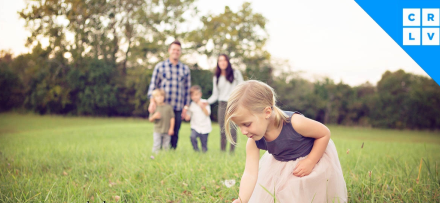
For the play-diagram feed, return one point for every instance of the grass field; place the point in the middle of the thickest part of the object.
(79, 159)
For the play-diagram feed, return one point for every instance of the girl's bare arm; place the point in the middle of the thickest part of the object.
(250, 175)
(314, 129)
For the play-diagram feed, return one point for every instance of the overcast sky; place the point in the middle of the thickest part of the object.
(320, 38)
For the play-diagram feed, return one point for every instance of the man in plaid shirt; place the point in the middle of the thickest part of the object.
(174, 78)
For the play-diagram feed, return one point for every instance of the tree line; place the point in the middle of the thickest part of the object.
(101, 53)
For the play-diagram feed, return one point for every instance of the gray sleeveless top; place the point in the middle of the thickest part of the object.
(289, 145)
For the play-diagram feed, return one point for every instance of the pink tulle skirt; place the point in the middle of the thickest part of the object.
(325, 184)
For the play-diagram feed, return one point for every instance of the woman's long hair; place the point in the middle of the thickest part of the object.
(229, 70)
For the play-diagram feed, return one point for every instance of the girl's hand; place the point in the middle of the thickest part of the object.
(156, 115)
(237, 201)
(202, 104)
(303, 167)
(171, 132)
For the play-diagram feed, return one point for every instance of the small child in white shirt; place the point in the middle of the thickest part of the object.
(198, 112)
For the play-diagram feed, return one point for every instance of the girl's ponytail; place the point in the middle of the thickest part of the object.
(280, 116)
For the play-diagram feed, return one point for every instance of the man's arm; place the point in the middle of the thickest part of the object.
(171, 130)
(155, 80)
(187, 115)
(187, 86)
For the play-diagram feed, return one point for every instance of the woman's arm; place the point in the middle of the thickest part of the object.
(239, 76)
(205, 107)
(314, 129)
(213, 98)
(187, 86)
(250, 175)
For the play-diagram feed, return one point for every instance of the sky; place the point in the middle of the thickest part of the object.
(319, 38)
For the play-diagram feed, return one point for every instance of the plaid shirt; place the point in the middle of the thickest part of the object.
(175, 80)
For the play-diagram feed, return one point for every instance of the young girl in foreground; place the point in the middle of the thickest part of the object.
(301, 163)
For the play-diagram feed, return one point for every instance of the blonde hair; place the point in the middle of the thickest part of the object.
(255, 96)
(195, 88)
(158, 92)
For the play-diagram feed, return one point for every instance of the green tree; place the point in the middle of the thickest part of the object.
(392, 99)
(423, 104)
(359, 110)
(157, 24)
(10, 84)
(241, 35)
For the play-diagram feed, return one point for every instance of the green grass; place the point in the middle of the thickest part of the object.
(80, 159)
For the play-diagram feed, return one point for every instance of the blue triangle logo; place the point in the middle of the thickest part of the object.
(414, 25)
